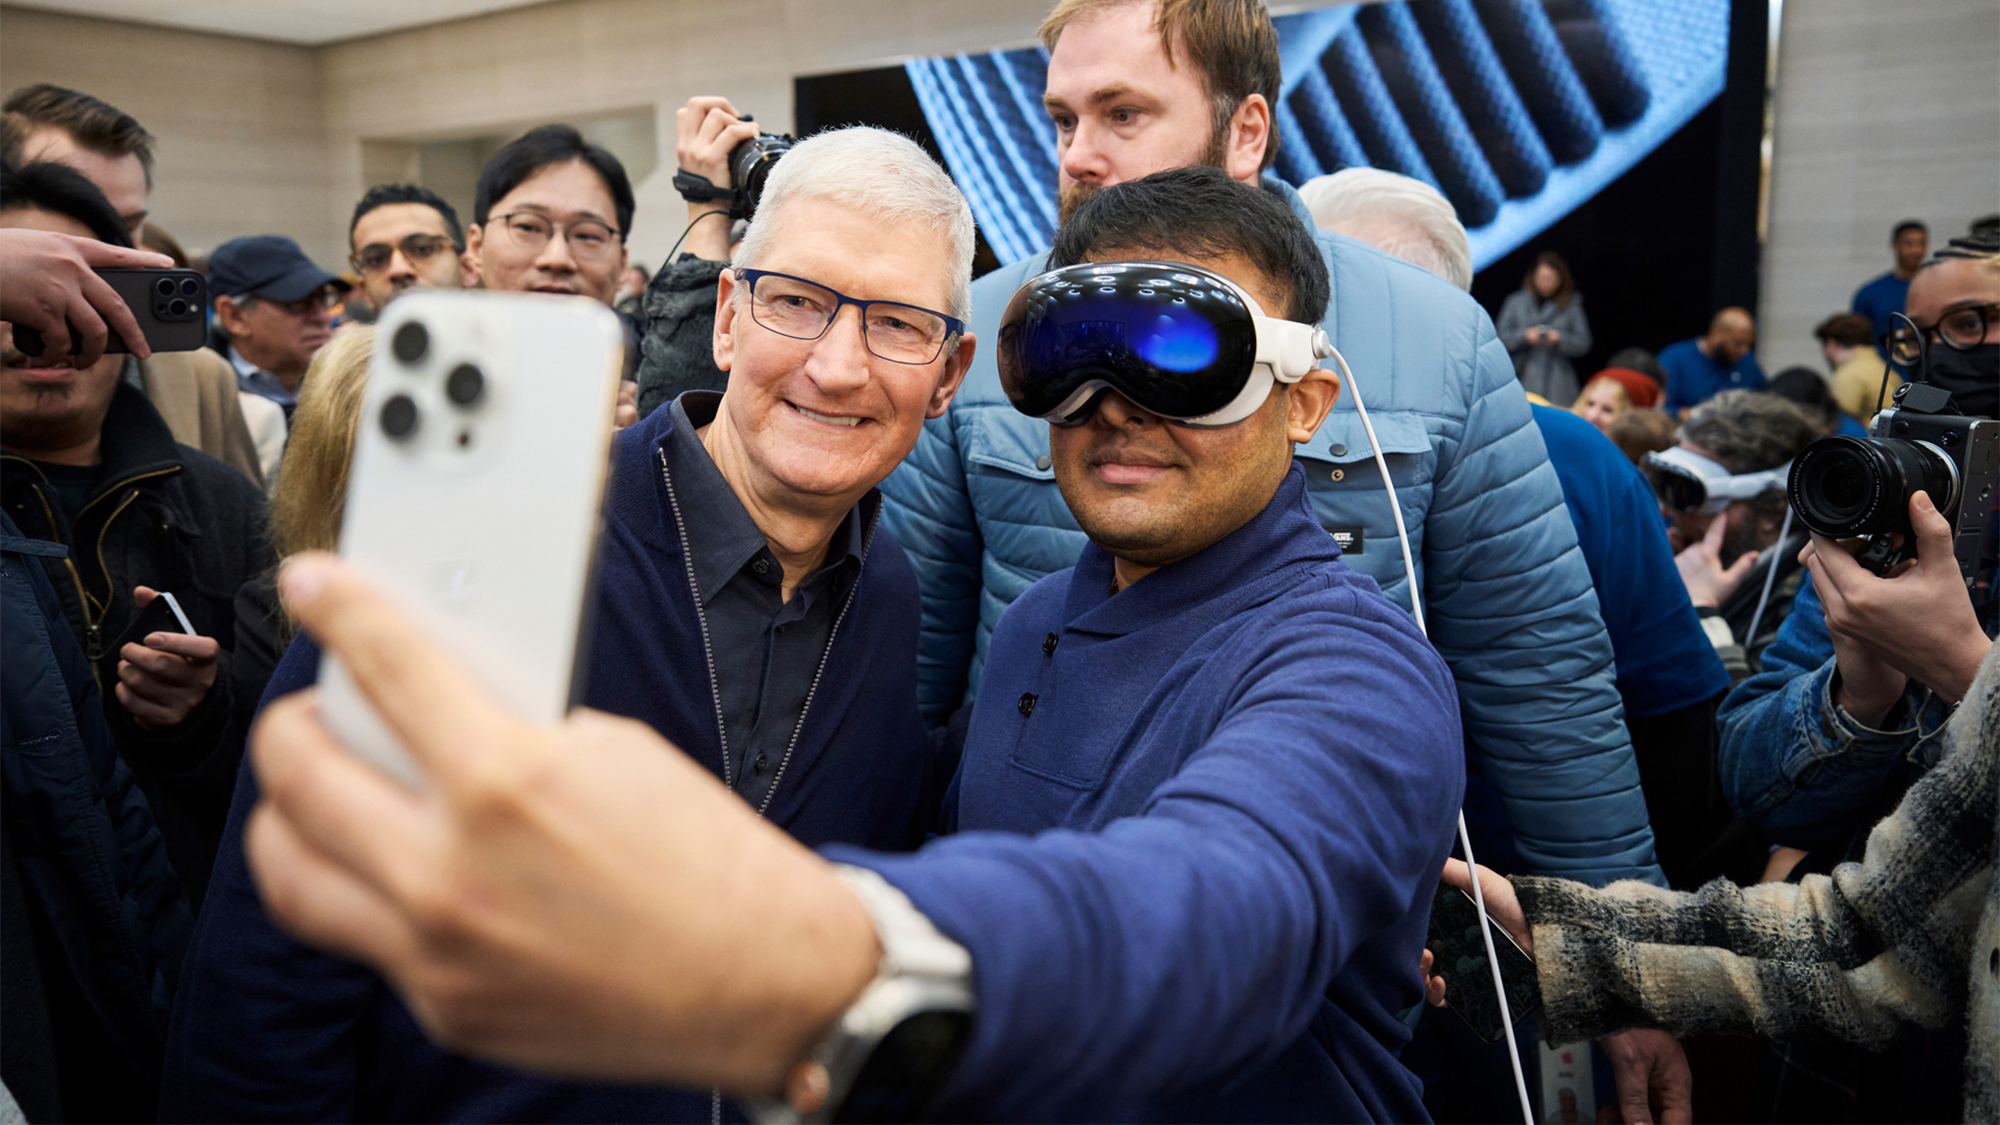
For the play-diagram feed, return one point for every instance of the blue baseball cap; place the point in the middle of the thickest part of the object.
(266, 265)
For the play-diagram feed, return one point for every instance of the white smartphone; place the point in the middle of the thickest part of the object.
(475, 494)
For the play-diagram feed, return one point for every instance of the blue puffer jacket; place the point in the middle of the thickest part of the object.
(1506, 593)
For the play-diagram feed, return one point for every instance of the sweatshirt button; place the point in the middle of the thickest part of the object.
(1027, 703)
(1044, 461)
(758, 765)
(1337, 449)
(1049, 645)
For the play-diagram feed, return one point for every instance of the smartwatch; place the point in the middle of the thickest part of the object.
(889, 1055)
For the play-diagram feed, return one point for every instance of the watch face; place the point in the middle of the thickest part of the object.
(908, 1068)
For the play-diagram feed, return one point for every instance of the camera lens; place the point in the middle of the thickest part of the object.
(165, 286)
(399, 416)
(411, 342)
(177, 307)
(1845, 487)
(189, 287)
(465, 384)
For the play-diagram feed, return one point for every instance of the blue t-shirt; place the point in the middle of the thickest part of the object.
(1692, 377)
(1881, 298)
(1664, 659)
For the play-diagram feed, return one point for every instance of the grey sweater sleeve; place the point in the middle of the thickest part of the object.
(1854, 954)
(676, 350)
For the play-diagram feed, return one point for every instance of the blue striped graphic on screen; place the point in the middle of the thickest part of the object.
(1518, 110)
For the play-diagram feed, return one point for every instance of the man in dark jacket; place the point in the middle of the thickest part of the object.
(750, 609)
(94, 922)
(88, 462)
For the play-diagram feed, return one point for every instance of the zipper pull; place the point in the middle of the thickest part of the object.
(94, 648)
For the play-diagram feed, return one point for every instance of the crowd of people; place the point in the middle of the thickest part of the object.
(950, 751)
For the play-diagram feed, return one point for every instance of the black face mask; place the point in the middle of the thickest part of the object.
(1972, 377)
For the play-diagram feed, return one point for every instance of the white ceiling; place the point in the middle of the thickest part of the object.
(309, 22)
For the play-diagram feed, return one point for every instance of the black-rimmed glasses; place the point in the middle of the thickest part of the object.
(1962, 329)
(417, 249)
(804, 310)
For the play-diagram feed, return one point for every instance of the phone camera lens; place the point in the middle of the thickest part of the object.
(412, 341)
(189, 287)
(399, 416)
(165, 286)
(465, 384)
(177, 307)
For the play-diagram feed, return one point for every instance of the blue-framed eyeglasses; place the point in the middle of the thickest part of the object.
(804, 310)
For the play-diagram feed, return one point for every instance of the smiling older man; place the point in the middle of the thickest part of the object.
(750, 610)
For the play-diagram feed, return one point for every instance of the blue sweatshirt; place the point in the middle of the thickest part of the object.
(1665, 661)
(1694, 378)
(1201, 822)
(1880, 299)
(267, 1029)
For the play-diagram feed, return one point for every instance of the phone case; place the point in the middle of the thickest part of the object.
(480, 518)
(171, 307)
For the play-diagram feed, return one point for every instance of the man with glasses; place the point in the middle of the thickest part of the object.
(550, 215)
(751, 610)
(405, 237)
(1854, 693)
(273, 311)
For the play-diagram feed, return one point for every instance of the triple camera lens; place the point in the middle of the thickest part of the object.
(464, 386)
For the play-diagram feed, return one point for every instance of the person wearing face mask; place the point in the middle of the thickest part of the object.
(1847, 713)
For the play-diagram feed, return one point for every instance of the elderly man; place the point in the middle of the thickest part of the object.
(751, 610)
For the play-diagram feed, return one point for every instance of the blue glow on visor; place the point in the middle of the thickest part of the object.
(1179, 343)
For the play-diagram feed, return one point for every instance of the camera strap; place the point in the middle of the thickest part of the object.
(700, 189)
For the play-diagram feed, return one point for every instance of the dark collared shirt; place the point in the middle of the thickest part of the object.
(766, 651)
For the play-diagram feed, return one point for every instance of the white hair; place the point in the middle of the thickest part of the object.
(1403, 217)
(885, 176)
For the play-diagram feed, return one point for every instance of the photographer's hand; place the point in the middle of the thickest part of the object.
(706, 131)
(1917, 622)
(1708, 581)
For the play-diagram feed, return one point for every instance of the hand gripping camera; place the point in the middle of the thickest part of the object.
(749, 166)
(1849, 488)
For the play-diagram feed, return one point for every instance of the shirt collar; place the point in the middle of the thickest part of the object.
(257, 381)
(722, 538)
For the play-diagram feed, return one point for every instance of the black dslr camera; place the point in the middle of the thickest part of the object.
(749, 166)
(1848, 488)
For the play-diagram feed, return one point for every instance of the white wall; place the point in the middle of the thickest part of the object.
(1885, 111)
(258, 137)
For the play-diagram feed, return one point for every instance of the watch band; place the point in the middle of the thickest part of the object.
(922, 972)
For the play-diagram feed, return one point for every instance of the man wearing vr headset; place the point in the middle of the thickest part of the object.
(1199, 816)
(1722, 491)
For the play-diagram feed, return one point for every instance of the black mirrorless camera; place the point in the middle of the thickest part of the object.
(1860, 488)
(749, 166)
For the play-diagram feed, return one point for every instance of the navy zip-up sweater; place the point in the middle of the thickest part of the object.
(266, 1029)
(1200, 821)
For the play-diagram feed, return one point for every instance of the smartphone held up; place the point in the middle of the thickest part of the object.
(170, 305)
(481, 408)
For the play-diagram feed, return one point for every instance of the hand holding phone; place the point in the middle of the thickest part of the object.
(51, 288)
(162, 680)
(1459, 956)
(169, 308)
(473, 503)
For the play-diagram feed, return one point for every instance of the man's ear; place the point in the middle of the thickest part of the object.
(230, 314)
(1309, 401)
(1249, 135)
(469, 272)
(724, 341)
(953, 376)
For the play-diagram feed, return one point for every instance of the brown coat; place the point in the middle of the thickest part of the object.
(196, 393)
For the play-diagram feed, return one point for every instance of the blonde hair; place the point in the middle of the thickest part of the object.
(311, 492)
(1624, 397)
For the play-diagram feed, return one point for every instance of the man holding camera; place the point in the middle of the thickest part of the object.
(749, 609)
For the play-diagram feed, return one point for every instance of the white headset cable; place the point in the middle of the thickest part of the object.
(1464, 837)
